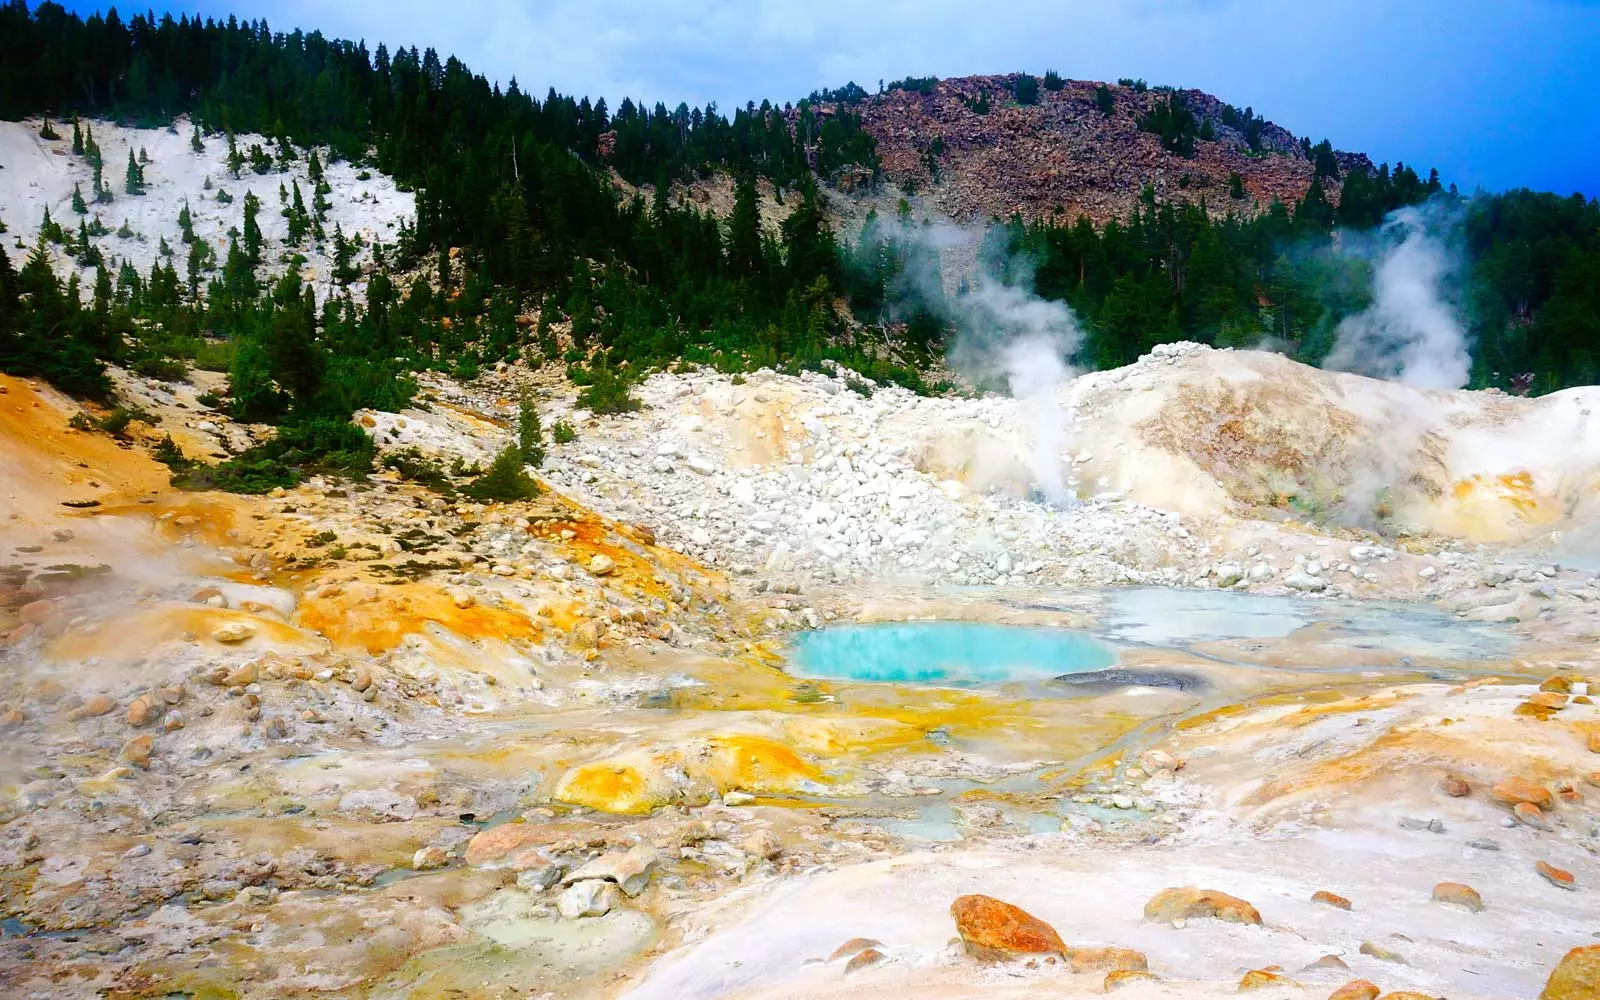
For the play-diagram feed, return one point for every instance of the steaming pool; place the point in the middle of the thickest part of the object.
(970, 653)
(946, 652)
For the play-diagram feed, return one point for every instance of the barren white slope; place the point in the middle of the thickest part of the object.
(36, 174)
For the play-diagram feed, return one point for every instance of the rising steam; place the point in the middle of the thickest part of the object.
(1411, 332)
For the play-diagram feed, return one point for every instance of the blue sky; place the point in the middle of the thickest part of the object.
(1495, 94)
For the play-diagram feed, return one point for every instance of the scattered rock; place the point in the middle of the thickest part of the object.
(1421, 823)
(737, 799)
(589, 898)
(630, 870)
(602, 565)
(429, 858)
(1531, 815)
(863, 958)
(1514, 791)
(1109, 959)
(1330, 899)
(137, 751)
(854, 946)
(1556, 876)
(96, 706)
(233, 632)
(143, 710)
(1259, 979)
(762, 844)
(1458, 894)
(1455, 786)
(992, 930)
(1576, 977)
(1356, 989)
(1381, 953)
(1189, 903)
(1327, 962)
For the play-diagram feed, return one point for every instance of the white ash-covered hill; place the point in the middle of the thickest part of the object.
(38, 174)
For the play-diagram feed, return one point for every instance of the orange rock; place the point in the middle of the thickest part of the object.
(1356, 989)
(1108, 959)
(1189, 903)
(1557, 683)
(991, 929)
(1577, 977)
(1513, 791)
(1118, 978)
(1260, 979)
(854, 946)
(1594, 742)
(1330, 899)
(96, 706)
(498, 841)
(1593, 778)
(137, 751)
(1531, 815)
(1555, 876)
(1548, 699)
(864, 958)
(1582, 699)
(1458, 894)
(1455, 786)
(143, 710)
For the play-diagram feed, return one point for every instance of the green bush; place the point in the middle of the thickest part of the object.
(161, 369)
(214, 355)
(315, 446)
(505, 480)
(169, 454)
(419, 468)
(561, 432)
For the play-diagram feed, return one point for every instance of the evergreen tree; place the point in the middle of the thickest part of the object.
(195, 142)
(186, 223)
(1104, 100)
(134, 182)
(344, 256)
(77, 139)
(235, 161)
(253, 239)
(78, 204)
(530, 435)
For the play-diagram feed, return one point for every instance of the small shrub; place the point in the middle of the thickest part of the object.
(210, 400)
(419, 468)
(530, 436)
(561, 432)
(505, 480)
(161, 369)
(214, 356)
(169, 454)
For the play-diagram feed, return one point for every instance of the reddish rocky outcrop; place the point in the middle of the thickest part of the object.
(1062, 157)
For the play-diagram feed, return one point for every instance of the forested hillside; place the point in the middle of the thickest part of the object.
(519, 218)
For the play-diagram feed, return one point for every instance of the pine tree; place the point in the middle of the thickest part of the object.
(530, 435)
(195, 142)
(186, 223)
(77, 138)
(134, 182)
(144, 158)
(252, 229)
(47, 132)
(235, 161)
(77, 200)
(344, 255)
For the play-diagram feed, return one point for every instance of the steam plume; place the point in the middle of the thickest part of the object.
(1410, 333)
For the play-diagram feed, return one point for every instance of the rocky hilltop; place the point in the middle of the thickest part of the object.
(1063, 155)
